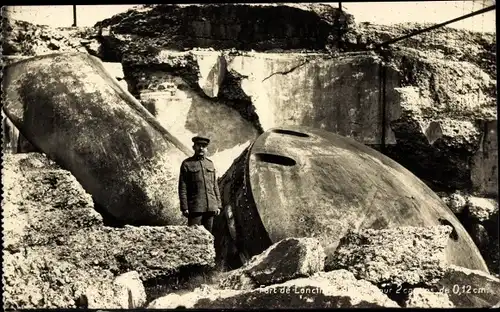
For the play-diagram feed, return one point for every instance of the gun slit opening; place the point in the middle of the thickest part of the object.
(275, 159)
(291, 132)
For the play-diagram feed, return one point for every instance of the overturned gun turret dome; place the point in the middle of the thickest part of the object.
(71, 109)
(303, 182)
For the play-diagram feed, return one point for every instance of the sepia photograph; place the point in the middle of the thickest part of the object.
(250, 155)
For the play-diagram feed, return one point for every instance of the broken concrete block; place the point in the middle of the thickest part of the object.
(152, 252)
(238, 280)
(212, 69)
(283, 261)
(456, 202)
(37, 279)
(334, 289)
(469, 288)
(411, 255)
(132, 293)
(482, 209)
(425, 298)
(42, 202)
(57, 246)
(188, 300)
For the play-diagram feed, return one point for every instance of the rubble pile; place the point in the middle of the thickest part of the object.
(25, 39)
(405, 255)
(380, 277)
(56, 242)
(232, 72)
(77, 262)
(480, 218)
(303, 257)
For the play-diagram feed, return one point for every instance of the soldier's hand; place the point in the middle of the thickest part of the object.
(217, 212)
(185, 213)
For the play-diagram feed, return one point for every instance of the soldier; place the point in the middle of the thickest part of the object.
(198, 191)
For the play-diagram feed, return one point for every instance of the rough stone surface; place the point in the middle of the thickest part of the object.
(26, 39)
(133, 293)
(482, 209)
(425, 298)
(42, 203)
(57, 248)
(469, 288)
(336, 289)
(443, 132)
(437, 139)
(152, 251)
(283, 261)
(485, 161)
(105, 137)
(226, 26)
(431, 106)
(38, 279)
(456, 202)
(444, 42)
(405, 255)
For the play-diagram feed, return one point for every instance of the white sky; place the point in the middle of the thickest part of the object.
(375, 12)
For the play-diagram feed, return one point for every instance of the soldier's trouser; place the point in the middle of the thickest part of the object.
(202, 218)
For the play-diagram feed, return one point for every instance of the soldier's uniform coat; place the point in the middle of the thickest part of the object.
(198, 189)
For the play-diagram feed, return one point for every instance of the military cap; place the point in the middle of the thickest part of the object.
(201, 139)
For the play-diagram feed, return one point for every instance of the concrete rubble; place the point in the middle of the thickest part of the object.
(288, 259)
(480, 217)
(456, 202)
(95, 266)
(133, 291)
(210, 64)
(56, 242)
(45, 40)
(469, 288)
(125, 292)
(425, 298)
(322, 289)
(482, 209)
(347, 288)
(405, 255)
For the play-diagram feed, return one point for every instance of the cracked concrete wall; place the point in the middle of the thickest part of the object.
(339, 94)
